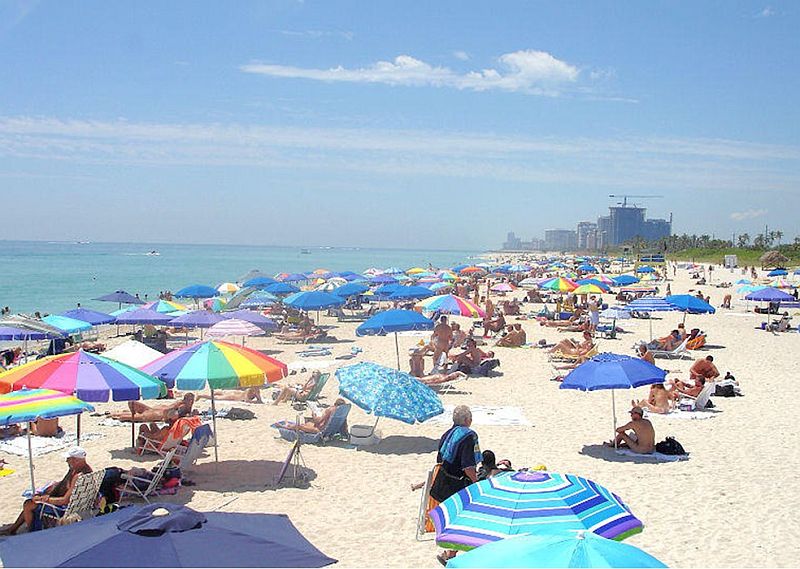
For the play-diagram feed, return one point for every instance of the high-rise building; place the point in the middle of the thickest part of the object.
(560, 240)
(513, 243)
(587, 232)
(628, 222)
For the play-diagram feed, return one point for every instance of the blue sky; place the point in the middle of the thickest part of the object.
(410, 124)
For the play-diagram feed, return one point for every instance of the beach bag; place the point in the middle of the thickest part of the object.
(239, 414)
(485, 367)
(445, 485)
(670, 446)
(725, 391)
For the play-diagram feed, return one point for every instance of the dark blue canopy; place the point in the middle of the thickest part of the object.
(625, 280)
(394, 321)
(769, 295)
(312, 300)
(350, 289)
(138, 536)
(120, 296)
(13, 333)
(93, 317)
(281, 288)
(259, 282)
(294, 277)
(197, 291)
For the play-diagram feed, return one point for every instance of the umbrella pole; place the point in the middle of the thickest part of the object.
(651, 327)
(614, 417)
(30, 458)
(214, 421)
(78, 428)
(397, 349)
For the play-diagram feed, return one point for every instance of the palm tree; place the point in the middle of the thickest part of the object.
(743, 241)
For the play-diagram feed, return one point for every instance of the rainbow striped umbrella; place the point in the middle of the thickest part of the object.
(559, 284)
(526, 502)
(471, 270)
(606, 280)
(781, 283)
(88, 376)
(588, 288)
(218, 364)
(166, 306)
(28, 405)
(451, 304)
(502, 287)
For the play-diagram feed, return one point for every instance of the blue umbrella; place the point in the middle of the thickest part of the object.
(312, 300)
(294, 278)
(688, 303)
(595, 282)
(258, 299)
(281, 288)
(769, 294)
(410, 292)
(259, 282)
(121, 297)
(383, 279)
(777, 273)
(645, 269)
(144, 316)
(386, 392)
(567, 549)
(197, 291)
(651, 304)
(625, 280)
(386, 290)
(93, 317)
(613, 371)
(167, 535)
(68, 325)
(394, 271)
(394, 321)
(197, 319)
(350, 289)
(587, 268)
(350, 276)
(13, 333)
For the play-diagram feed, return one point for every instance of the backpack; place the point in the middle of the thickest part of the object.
(725, 391)
(239, 414)
(670, 446)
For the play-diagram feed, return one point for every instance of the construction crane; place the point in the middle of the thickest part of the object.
(625, 197)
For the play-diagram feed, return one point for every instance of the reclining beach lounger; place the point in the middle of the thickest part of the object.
(677, 353)
(336, 427)
(144, 488)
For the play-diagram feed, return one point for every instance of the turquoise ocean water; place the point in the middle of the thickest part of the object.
(53, 277)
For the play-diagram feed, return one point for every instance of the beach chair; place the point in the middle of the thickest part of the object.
(699, 403)
(180, 428)
(677, 353)
(300, 403)
(570, 358)
(426, 504)
(186, 456)
(145, 487)
(82, 503)
(336, 428)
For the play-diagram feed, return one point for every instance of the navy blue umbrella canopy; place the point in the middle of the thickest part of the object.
(625, 280)
(13, 333)
(690, 303)
(259, 282)
(612, 371)
(769, 295)
(167, 535)
(120, 296)
(93, 317)
(197, 291)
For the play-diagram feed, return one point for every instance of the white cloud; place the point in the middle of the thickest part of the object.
(526, 71)
(316, 34)
(748, 214)
(461, 55)
(766, 12)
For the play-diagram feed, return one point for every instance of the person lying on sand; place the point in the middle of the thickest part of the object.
(299, 392)
(248, 395)
(638, 435)
(659, 401)
(141, 412)
(438, 378)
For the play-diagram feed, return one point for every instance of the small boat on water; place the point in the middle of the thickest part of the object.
(153, 253)
(305, 252)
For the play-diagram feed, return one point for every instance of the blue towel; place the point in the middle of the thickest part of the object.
(450, 444)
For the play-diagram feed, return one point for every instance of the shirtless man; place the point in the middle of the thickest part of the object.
(705, 368)
(300, 392)
(248, 395)
(692, 390)
(437, 378)
(514, 338)
(459, 336)
(641, 438)
(441, 339)
(316, 424)
(572, 348)
(470, 358)
(645, 354)
(140, 412)
(659, 401)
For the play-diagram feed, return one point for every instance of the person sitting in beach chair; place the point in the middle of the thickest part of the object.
(574, 320)
(299, 392)
(247, 395)
(493, 325)
(690, 389)
(637, 435)
(660, 400)
(667, 343)
(155, 439)
(315, 425)
(141, 412)
(470, 358)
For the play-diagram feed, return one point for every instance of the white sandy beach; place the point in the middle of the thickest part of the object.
(733, 503)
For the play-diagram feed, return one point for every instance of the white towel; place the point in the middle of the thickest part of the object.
(484, 415)
(18, 446)
(655, 457)
(310, 364)
(680, 414)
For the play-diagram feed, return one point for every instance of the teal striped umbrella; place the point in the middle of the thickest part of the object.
(515, 503)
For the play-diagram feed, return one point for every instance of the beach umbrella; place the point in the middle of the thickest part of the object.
(589, 289)
(29, 405)
(403, 278)
(117, 313)
(228, 288)
(386, 290)
(394, 321)
(529, 282)
(215, 304)
(132, 353)
(586, 268)
(743, 282)
(386, 392)
(438, 287)
(602, 279)
(258, 300)
(121, 297)
(503, 287)
(451, 304)
(690, 304)
(281, 288)
(218, 365)
(613, 371)
(294, 277)
(350, 276)
(747, 289)
(595, 282)
(197, 291)
(266, 324)
(564, 549)
(447, 276)
(519, 268)
(167, 535)
(624, 280)
(144, 316)
(8, 333)
(645, 269)
(473, 270)
(416, 271)
(410, 292)
(781, 283)
(651, 304)
(93, 317)
(350, 289)
(769, 294)
(530, 502)
(312, 300)
(68, 325)
(778, 273)
(616, 313)
(559, 284)
(393, 271)
(251, 274)
(196, 319)
(383, 279)
(234, 327)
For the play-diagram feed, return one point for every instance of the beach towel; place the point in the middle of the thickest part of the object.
(450, 445)
(5, 472)
(298, 365)
(680, 414)
(654, 457)
(18, 446)
(485, 415)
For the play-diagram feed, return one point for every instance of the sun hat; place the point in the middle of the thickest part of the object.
(75, 452)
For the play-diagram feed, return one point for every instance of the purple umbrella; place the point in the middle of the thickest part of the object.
(93, 317)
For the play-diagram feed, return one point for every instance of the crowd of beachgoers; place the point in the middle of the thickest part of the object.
(487, 360)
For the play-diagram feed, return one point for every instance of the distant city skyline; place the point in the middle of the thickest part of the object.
(343, 123)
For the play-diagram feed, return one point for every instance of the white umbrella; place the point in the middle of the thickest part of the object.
(234, 327)
(133, 353)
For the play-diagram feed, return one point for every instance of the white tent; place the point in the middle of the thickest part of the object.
(133, 353)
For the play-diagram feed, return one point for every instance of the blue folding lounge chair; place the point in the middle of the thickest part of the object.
(337, 426)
